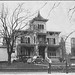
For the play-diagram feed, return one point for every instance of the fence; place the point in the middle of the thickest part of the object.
(61, 68)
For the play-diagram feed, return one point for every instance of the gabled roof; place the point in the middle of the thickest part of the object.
(39, 18)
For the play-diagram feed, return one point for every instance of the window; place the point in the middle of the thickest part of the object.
(48, 40)
(34, 39)
(52, 53)
(25, 40)
(51, 40)
(54, 41)
(26, 52)
(40, 26)
(28, 40)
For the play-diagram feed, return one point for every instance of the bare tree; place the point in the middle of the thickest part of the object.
(71, 12)
(55, 5)
(17, 21)
(9, 25)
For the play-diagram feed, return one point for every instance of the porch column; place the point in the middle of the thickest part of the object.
(18, 50)
(36, 45)
(46, 55)
(36, 50)
(60, 52)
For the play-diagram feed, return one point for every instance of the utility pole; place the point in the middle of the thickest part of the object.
(62, 45)
(64, 55)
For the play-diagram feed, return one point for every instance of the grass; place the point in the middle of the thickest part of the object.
(21, 65)
(25, 67)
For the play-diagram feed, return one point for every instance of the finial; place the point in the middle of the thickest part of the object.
(38, 13)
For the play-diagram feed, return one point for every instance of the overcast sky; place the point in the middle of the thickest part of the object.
(58, 19)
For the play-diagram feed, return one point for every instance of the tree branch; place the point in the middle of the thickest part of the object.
(53, 7)
(71, 10)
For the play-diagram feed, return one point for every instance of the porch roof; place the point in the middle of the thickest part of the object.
(41, 34)
(32, 45)
(53, 46)
(26, 45)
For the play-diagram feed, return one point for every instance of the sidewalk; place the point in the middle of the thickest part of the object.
(34, 73)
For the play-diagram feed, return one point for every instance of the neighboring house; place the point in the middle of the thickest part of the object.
(3, 53)
(73, 46)
(73, 49)
(38, 41)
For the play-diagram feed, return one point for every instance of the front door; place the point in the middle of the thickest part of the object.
(42, 51)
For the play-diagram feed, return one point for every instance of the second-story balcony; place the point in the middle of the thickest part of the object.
(41, 38)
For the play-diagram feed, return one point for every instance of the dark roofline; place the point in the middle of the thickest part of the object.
(53, 32)
(45, 20)
(39, 33)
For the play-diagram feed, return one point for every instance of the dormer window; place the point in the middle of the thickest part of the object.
(40, 26)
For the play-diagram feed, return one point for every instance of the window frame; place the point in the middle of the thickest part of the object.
(40, 26)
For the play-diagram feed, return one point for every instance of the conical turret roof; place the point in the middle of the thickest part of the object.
(40, 18)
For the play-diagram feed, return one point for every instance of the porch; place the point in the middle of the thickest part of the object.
(53, 52)
(29, 50)
(25, 50)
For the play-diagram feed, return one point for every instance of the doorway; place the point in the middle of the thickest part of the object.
(42, 51)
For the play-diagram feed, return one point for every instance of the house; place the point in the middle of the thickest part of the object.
(73, 46)
(72, 50)
(38, 41)
(3, 53)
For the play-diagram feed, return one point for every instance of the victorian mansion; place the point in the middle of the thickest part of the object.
(38, 41)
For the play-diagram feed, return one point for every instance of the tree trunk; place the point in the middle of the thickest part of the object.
(9, 58)
(9, 54)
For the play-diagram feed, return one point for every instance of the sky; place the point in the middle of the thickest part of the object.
(58, 19)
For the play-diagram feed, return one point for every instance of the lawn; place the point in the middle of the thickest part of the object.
(25, 67)
(21, 65)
